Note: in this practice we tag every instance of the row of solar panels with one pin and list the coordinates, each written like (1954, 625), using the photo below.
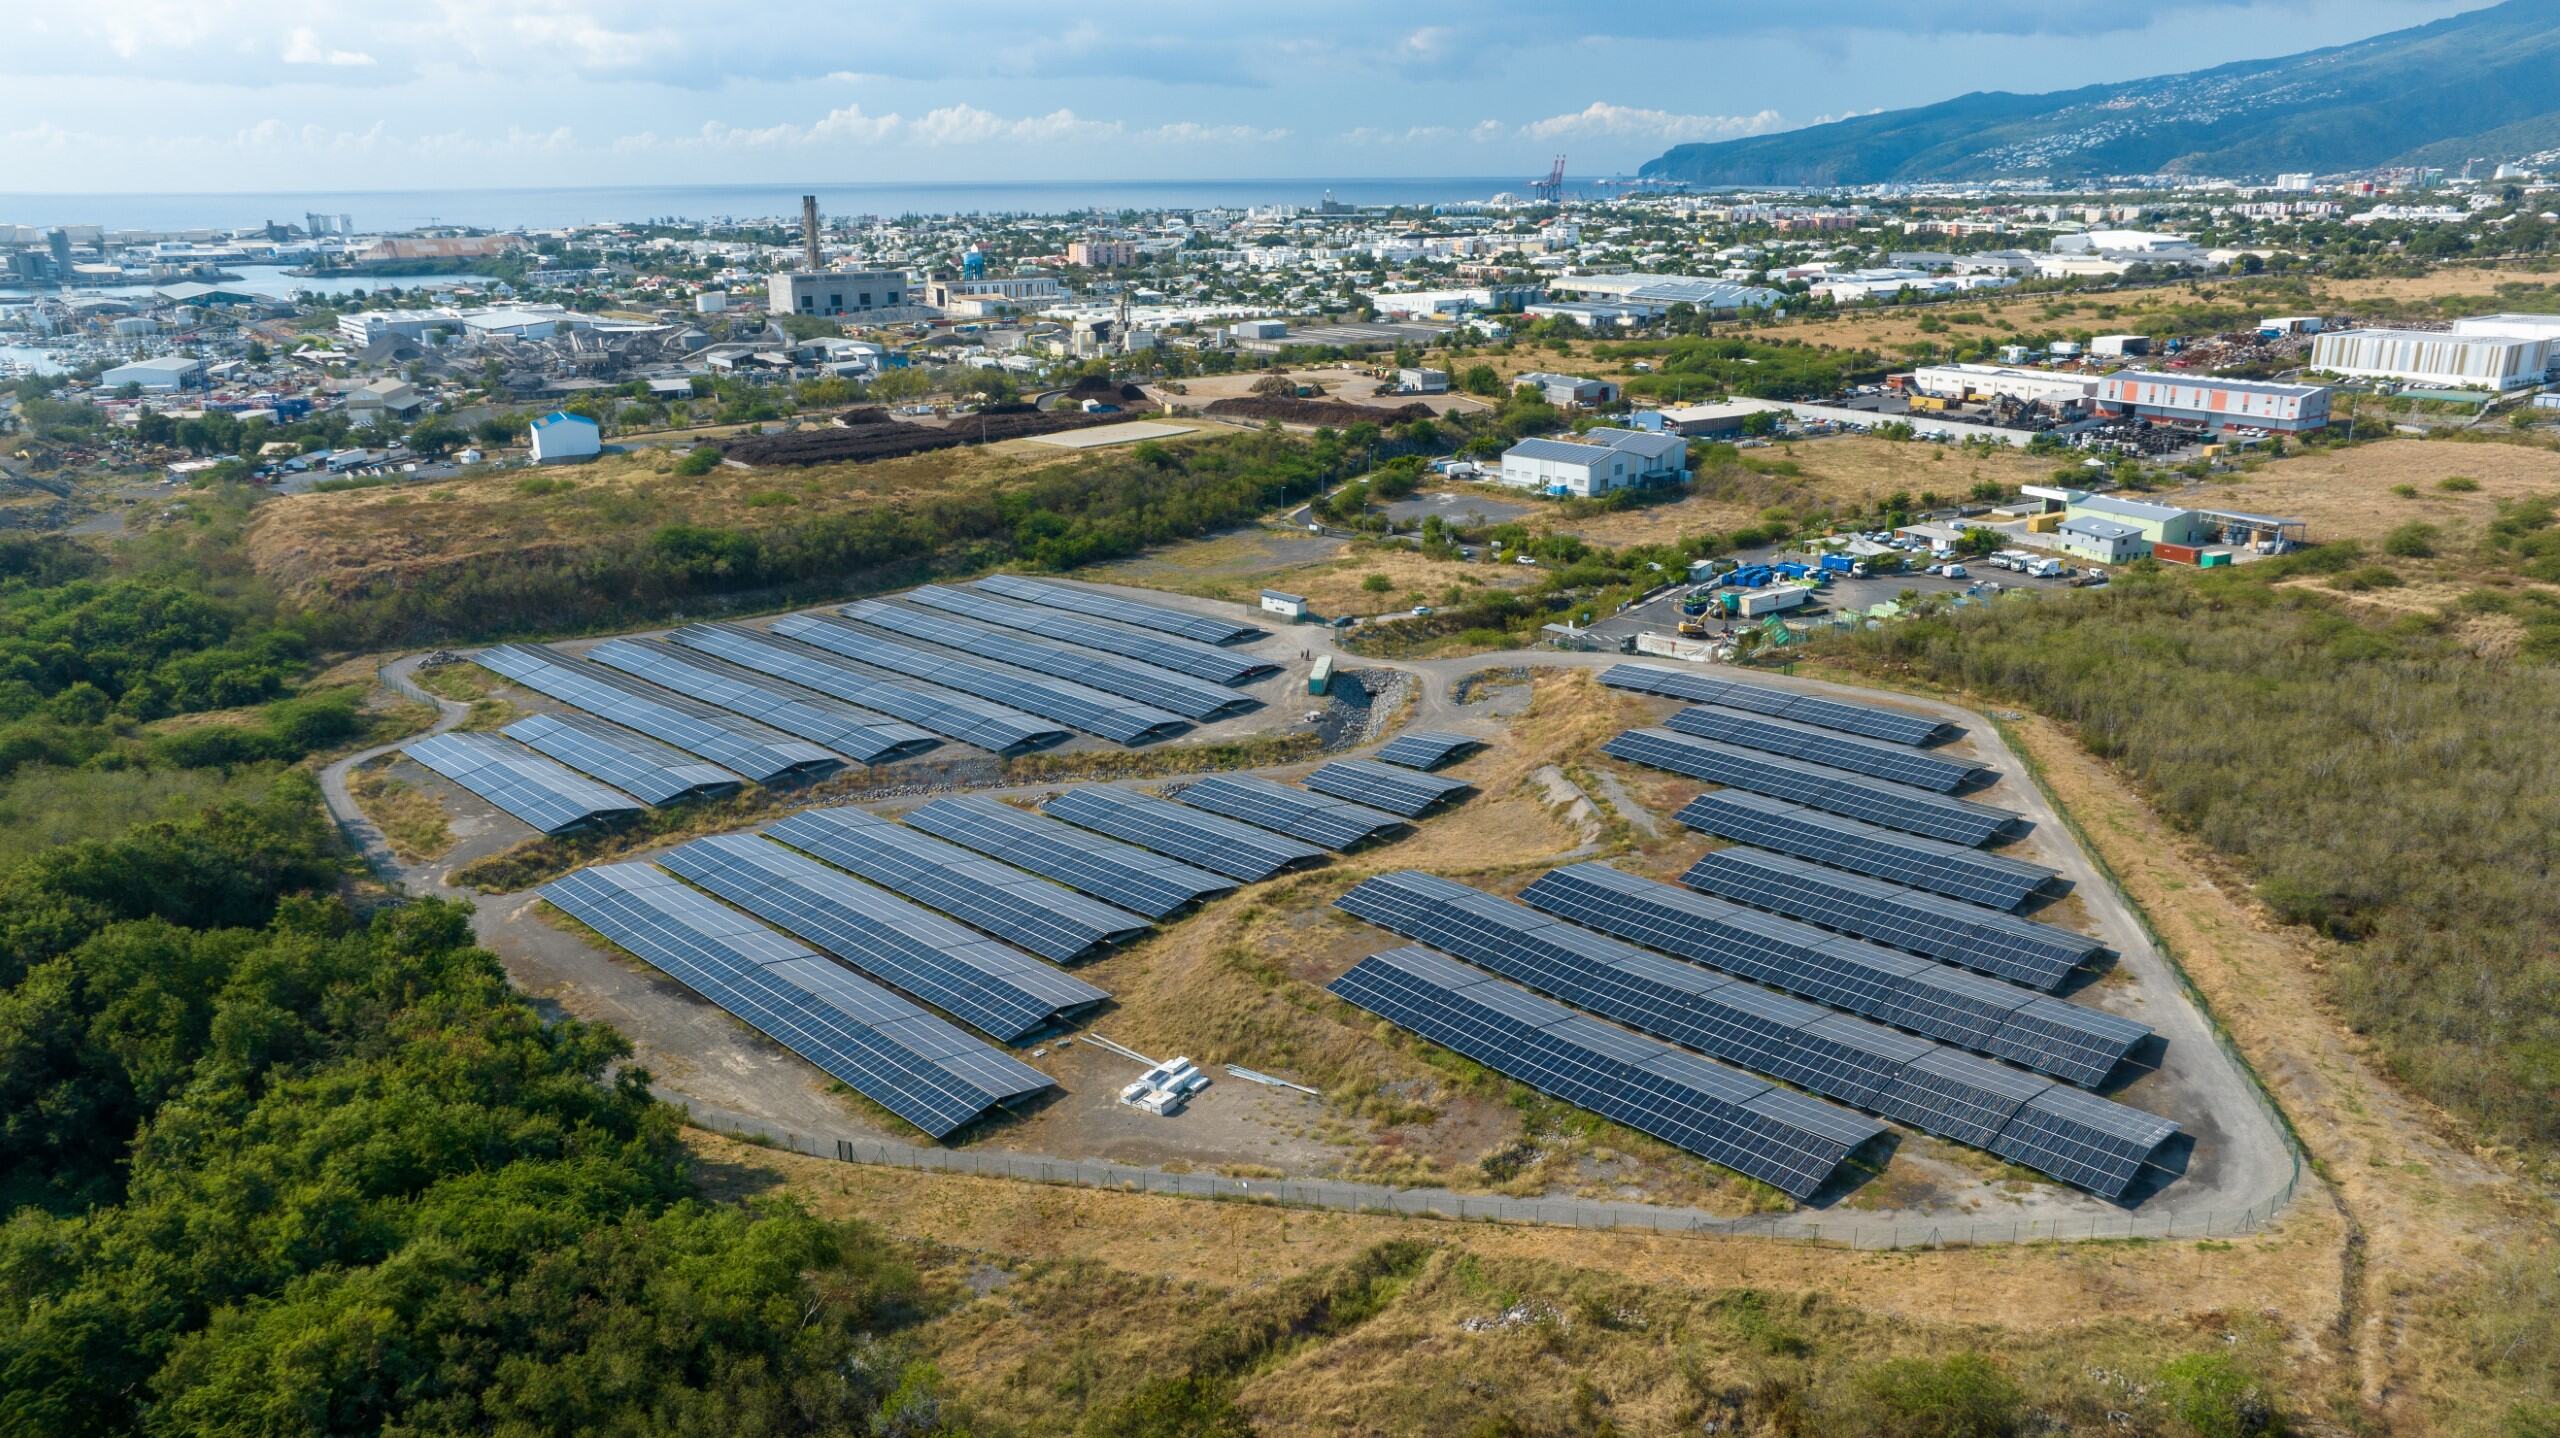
(2078, 1138)
(879, 902)
(1869, 720)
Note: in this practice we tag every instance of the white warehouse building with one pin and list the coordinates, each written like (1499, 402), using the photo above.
(1972, 381)
(2433, 357)
(1603, 461)
(837, 292)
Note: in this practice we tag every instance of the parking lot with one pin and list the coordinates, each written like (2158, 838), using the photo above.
(1845, 593)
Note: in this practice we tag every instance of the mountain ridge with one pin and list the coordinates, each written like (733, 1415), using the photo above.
(2450, 87)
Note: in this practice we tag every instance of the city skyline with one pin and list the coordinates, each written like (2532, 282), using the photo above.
(141, 97)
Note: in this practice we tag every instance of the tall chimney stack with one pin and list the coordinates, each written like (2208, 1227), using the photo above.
(809, 232)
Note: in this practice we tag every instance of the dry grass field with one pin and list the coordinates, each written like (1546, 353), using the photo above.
(1844, 472)
(2349, 493)
(315, 546)
(1329, 572)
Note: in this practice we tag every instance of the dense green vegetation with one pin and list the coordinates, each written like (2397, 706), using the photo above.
(2387, 788)
(1052, 519)
(272, 1168)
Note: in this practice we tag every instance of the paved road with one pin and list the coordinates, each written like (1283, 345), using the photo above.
(361, 831)
(2243, 1169)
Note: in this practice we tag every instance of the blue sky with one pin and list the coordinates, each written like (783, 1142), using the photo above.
(154, 95)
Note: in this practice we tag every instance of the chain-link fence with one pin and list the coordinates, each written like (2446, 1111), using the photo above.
(1850, 1231)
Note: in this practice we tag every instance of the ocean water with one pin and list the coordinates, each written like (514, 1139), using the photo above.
(378, 210)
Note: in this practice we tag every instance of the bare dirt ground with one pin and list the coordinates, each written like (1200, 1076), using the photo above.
(1330, 573)
(1340, 382)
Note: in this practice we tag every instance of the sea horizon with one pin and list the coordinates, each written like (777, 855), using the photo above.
(505, 207)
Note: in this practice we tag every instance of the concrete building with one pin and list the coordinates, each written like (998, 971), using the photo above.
(1102, 254)
(1598, 314)
(1284, 604)
(2120, 346)
(1714, 296)
(1568, 391)
(561, 438)
(1422, 381)
(375, 400)
(2101, 541)
(1601, 462)
(1982, 381)
(838, 292)
(1020, 291)
(2214, 405)
(2146, 523)
(2433, 357)
(154, 376)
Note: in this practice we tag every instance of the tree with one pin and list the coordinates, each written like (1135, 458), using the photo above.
(437, 437)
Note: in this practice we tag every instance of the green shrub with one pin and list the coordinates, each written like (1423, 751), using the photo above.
(1961, 1396)
(2208, 1395)
(2458, 484)
(2414, 540)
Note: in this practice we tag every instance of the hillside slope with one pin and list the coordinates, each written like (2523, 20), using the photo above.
(2483, 83)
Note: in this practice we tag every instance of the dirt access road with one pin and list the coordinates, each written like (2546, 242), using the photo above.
(699, 1056)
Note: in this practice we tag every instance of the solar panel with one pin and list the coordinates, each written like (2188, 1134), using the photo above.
(995, 988)
(550, 796)
(1872, 721)
(1050, 921)
(1877, 760)
(1116, 873)
(1958, 1096)
(2086, 1141)
(1222, 846)
(1283, 810)
(760, 753)
(1108, 674)
(1182, 656)
(946, 712)
(1384, 786)
(1893, 805)
(858, 734)
(1932, 864)
(1108, 715)
(2020, 950)
(1101, 605)
(874, 1042)
(1426, 748)
(1790, 1142)
(2065, 1040)
(653, 772)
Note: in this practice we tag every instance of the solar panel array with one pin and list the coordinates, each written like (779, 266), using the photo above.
(751, 749)
(1873, 721)
(1222, 846)
(856, 733)
(2066, 1040)
(1945, 1092)
(1182, 656)
(1877, 760)
(1426, 748)
(1931, 864)
(946, 712)
(1384, 786)
(2020, 950)
(996, 989)
(1833, 792)
(874, 1042)
(1116, 873)
(644, 768)
(1050, 921)
(1108, 715)
(1094, 602)
(1103, 673)
(1333, 823)
(550, 796)
(1790, 1142)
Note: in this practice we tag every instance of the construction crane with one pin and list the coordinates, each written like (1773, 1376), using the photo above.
(1552, 187)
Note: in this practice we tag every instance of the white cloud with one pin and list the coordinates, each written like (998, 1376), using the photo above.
(1192, 132)
(303, 47)
(1602, 120)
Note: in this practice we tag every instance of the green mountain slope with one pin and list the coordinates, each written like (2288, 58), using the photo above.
(2483, 83)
